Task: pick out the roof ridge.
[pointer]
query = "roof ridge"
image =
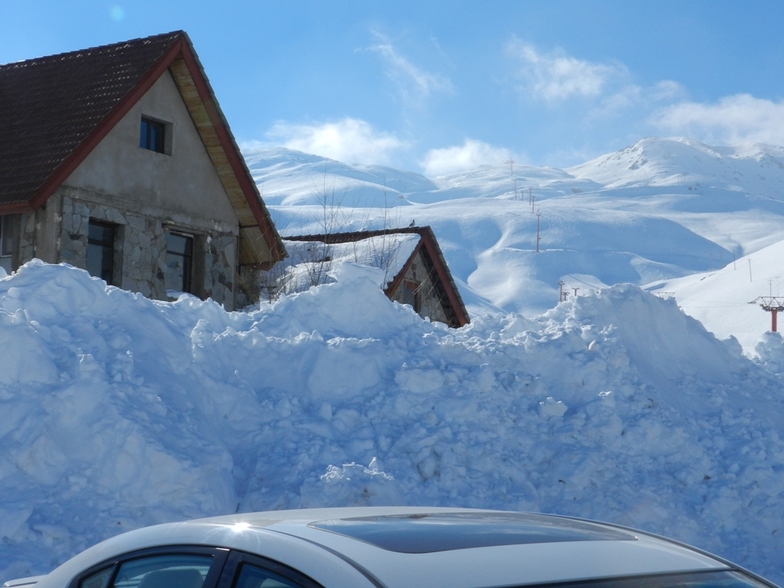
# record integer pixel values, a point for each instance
(173, 35)
(338, 236)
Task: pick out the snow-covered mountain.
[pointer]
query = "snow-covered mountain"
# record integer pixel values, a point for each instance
(658, 210)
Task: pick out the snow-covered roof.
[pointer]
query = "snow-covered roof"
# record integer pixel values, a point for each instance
(311, 258)
(388, 252)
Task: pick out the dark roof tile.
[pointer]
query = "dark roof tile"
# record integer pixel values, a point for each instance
(50, 105)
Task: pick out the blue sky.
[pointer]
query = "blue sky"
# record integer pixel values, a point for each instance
(439, 86)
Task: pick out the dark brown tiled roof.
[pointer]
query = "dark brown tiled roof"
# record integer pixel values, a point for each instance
(50, 105)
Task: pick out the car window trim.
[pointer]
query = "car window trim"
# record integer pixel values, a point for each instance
(219, 555)
(237, 558)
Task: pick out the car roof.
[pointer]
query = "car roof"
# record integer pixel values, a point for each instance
(423, 546)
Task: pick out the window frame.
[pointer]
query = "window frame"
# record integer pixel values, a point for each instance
(188, 258)
(7, 222)
(237, 559)
(6, 234)
(410, 294)
(147, 138)
(107, 247)
(219, 555)
(224, 572)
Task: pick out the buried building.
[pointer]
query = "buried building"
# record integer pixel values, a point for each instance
(415, 271)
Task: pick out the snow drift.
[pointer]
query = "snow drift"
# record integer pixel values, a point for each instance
(120, 412)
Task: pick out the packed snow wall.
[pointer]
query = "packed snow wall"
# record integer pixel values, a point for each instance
(119, 412)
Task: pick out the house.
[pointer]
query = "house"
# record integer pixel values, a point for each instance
(415, 271)
(118, 159)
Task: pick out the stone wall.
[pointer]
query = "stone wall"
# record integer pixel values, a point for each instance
(429, 302)
(140, 245)
(26, 241)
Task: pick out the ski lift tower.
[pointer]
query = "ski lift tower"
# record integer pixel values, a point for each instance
(773, 305)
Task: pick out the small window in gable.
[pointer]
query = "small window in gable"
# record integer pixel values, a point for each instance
(155, 135)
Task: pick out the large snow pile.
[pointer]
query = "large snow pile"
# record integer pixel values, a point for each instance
(119, 412)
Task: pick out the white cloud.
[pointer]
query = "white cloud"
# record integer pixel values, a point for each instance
(632, 96)
(348, 140)
(733, 120)
(665, 90)
(413, 83)
(471, 154)
(557, 76)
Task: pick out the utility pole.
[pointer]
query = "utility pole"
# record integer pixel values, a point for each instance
(511, 173)
(531, 198)
(538, 217)
(575, 288)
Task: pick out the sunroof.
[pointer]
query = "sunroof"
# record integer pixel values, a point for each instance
(428, 533)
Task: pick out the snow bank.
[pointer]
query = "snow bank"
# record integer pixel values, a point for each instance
(120, 412)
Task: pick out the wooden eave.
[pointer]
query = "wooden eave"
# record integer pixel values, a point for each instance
(260, 243)
(445, 277)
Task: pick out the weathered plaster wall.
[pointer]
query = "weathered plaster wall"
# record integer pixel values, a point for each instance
(430, 304)
(182, 188)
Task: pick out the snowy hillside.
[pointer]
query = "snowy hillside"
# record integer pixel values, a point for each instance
(121, 412)
(658, 210)
(726, 300)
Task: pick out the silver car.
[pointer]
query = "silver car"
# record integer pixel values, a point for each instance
(395, 547)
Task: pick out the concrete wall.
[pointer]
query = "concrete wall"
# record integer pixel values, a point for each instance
(430, 303)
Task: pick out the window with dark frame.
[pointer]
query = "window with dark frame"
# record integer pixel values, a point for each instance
(6, 242)
(179, 262)
(6, 236)
(100, 250)
(410, 294)
(153, 135)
